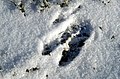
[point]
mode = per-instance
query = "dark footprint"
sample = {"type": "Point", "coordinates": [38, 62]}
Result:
{"type": "Point", "coordinates": [48, 48]}
{"type": "Point", "coordinates": [59, 20]}
{"type": "Point", "coordinates": [76, 44]}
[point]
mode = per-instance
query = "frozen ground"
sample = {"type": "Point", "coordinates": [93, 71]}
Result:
{"type": "Point", "coordinates": [78, 39]}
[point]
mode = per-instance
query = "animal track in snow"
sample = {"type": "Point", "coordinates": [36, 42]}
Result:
{"type": "Point", "coordinates": [76, 43]}
{"type": "Point", "coordinates": [75, 37]}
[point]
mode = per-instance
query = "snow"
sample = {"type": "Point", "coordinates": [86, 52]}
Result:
{"type": "Point", "coordinates": [23, 36]}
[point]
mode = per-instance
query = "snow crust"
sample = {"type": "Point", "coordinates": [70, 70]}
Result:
{"type": "Point", "coordinates": [24, 34]}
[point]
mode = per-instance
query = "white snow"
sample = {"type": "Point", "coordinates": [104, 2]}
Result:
{"type": "Point", "coordinates": [22, 40]}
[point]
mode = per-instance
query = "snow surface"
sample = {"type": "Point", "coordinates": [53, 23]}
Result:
{"type": "Point", "coordinates": [24, 34]}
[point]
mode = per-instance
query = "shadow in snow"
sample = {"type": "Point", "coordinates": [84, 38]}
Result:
{"type": "Point", "coordinates": [11, 63]}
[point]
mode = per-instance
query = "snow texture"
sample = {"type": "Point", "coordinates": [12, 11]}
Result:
{"type": "Point", "coordinates": [59, 39]}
